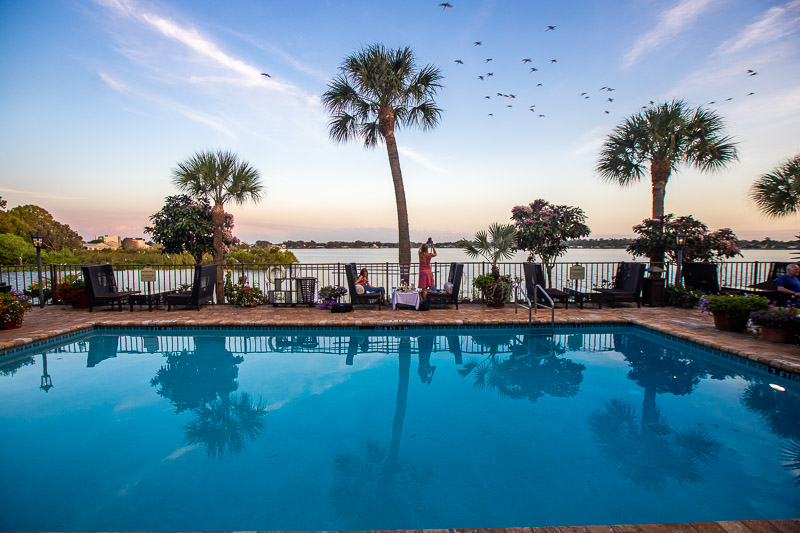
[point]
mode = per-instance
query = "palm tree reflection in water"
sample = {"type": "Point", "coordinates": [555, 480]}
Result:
{"type": "Point", "coordinates": [647, 450]}
{"type": "Point", "coordinates": [526, 368]}
{"type": "Point", "coordinates": [203, 381]}
{"type": "Point", "coordinates": [377, 486]}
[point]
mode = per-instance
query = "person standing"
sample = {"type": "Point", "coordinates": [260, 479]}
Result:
{"type": "Point", "coordinates": [426, 252]}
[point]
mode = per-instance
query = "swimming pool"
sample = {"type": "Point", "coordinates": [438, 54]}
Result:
{"type": "Point", "coordinates": [189, 430]}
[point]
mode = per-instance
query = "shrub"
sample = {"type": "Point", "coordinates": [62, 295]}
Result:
{"type": "Point", "coordinates": [329, 295]}
{"type": "Point", "coordinates": [733, 305]}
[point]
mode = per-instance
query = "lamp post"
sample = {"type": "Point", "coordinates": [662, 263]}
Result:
{"type": "Point", "coordinates": [37, 242]}
{"type": "Point", "coordinates": [47, 381]}
{"type": "Point", "coordinates": [680, 239]}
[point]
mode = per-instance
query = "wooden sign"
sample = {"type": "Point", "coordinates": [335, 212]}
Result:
{"type": "Point", "coordinates": [577, 272]}
{"type": "Point", "coordinates": [147, 274]}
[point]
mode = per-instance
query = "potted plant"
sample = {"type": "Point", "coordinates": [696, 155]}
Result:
{"type": "Point", "coordinates": [329, 295]}
{"type": "Point", "coordinates": [732, 311]}
{"type": "Point", "coordinates": [13, 306]}
{"type": "Point", "coordinates": [777, 324]}
{"type": "Point", "coordinates": [243, 294]}
{"type": "Point", "coordinates": [72, 291]}
{"type": "Point", "coordinates": [495, 290]}
{"type": "Point", "coordinates": [493, 245]}
{"type": "Point", "coordinates": [681, 296]}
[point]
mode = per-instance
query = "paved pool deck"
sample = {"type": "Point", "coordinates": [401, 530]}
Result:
{"type": "Point", "coordinates": [691, 324]}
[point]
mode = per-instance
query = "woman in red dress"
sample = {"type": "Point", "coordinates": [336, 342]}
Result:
{"type": "Point", "coordinates": [425, 273]}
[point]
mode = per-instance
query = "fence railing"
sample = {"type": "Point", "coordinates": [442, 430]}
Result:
{"type": "Point", "coordinates": [738, 274]}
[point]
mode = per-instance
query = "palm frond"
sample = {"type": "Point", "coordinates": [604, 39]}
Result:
{"type": "Point", "coordinates": [777, 194]}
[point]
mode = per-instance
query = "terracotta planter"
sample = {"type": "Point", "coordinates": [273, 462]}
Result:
{"type": "Point", "coordinates": [12, 324]}
{"type": "Point", "coordinates": [730, 323]}
{"type": "Point", "coordinates": [82, 302]}
{"type": "Point", "coordinates": [777, 334]}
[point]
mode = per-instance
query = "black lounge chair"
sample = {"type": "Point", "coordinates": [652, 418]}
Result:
{"type": "Point", "coordinates": [534, 275]}
{"type": "Point", "coordinates": [443, 297]}
{"type": "Point", "coordinates": [205, 281]}
{"type": "Point", "coordinates": [769, 288]}
{"type": "Point", "coordinates": [367, 298]}
{"type": "Point", "coordinates": [101, 287]}
{"type": "Point", "coordinates": [627, 285]}
{"type": "Point", "coordinates": [701, 277]}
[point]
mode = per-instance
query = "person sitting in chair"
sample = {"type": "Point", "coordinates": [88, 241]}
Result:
{"type": "Point", "coordinates": [363, 280]}
{"type": "Point", "coordinates": [788, 285]}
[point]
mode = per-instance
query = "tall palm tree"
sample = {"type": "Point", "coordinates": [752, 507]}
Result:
{"type": "Point", "coordinates": [380, 90]}
{"type": "Point", "coordinates": [218, 177]}
{"type": "Point", "coordinates": [665, 137]}
{"type": "Point", "coordinates": [777, 194]}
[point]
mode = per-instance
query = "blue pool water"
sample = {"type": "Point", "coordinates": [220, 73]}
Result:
{"type": "Point", "coordinates": [191, 430]}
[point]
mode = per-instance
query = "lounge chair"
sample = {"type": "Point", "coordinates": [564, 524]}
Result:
{"type": "Point", "coordinates": [454, 278]}
{"type": "Point", "coordinates": [627, 285]}
{"type": "Point", "coordinates": [769, 288]}
{"type": "Point", "coordinates": [701, 277]}
{"type": "Point", "coordinates": [205, 281]}
{"type": "Point", "coordinates": [101, 287]}
{"type": "Point", "coordinates": [367, 298]}
{"type": "Point", "coordinates": [534, 275]}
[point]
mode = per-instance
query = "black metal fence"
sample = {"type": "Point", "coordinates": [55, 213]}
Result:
{"type": "Point", "coordinates": [738, 275]}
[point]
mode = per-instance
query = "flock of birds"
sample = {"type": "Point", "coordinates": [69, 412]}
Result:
{"type": "Point", "coordinates": [528, 62]}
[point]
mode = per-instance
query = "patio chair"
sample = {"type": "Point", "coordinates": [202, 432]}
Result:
{"type": "Point", "coordinates": [769, 288]}
{"type": "Point", "coordinates": [627, 285]}
{"type": "Point", "coordinates": [101, 287]}
{"type": "Point", "coordinates": [701, 277]}
{"type": "Point", "coordinates": [453, 285]}
{"type": "Point", "coordinates": [534, 275]}
{"type": "Point", "coordinates": [367, 298]}
{"type": "Point", "coordinates": [205, 281]}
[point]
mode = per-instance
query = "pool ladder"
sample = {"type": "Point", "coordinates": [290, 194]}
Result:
{"type": "Point", "coordinates": [534, 307]}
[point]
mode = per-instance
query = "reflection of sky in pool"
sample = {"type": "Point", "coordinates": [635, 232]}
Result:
{"type": "Point", "coordinates": [287, 430]}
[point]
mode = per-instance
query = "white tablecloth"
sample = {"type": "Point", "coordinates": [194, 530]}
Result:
{"type": "Point", "coordinates": [405, 298]}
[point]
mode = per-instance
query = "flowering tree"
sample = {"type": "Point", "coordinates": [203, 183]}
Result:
{"type": "Point", "coordinates": [543, 230]}
{"type": "Point", "coordinates": [658, 236]}
{"type": "Point", "coordinates": [186, 225]}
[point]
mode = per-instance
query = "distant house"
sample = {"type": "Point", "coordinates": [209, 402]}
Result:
{"type": "Point", "coordinates": [134, 243]}
{"type": "Point", "coordinates": [112, 240]}
{"type": "Point", "coordinates": [98, 246]}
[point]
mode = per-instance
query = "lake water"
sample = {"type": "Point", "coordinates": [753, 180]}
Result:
{"type": "Point", "coordinates": [450, 255]}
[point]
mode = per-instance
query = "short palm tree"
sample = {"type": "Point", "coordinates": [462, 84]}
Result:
{"type": "Point", "coordinates": [665, 137]}
{"type": "Point", "coordinates": [218, 177]}
{"type": "Point", "coordinates": [498, 243]}
{"type": "Point", "coordinates": [777, 194]}
{"type": "Point", "coordinates": [378, 91]}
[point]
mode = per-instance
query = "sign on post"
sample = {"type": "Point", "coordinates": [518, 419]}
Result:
{"type": "Point", "coordinates": [147, 274]}
{"type": "Point", "coordinates": [577, 272]}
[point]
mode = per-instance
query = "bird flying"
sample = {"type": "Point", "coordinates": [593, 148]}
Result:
{"type": "Point", "coordinates": [534, 69]}
{"type": "Point", "coordinates": [538, 84]}
{"type": "Point", "coordinates": [445, 5]}
{"type": "Point", "coordinates": [550, 28]}
{"type": "Point", "coordinates": [480, 78]}
{"type": "Point", "coordinates": [489, 74]}
{"type": "Point", "coordinates": [265, 74]}
{"type": "Point", "coordinates": [526, 60]}
{"type": "Point", "coordinates": [553, 61]}
{"type": "Point", "coordinates": [751, 72]}
{"type": "Point", "coordinates": [459, 62]}
{"type": "Point", "coordinates": [489, 59]}
{"type": "Point", "coordinates": [477, 43]}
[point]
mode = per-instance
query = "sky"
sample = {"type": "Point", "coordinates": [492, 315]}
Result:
{"type": "Point", "coordinates": [101, 99]}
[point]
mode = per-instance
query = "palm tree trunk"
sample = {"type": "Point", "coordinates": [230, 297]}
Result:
{"type": "Point", "coordinates": [659, 174]}
{"type": "Point", "coordinates": [401, 402]}
{"type": "Point", "coordinates": [400, 198]}
{"type": "Point", "coordinates": [218, 218]}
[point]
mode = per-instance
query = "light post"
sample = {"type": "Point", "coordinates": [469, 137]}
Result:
{"type": "Point", "coordinates": [680, 239]}
{"type": "Point", "coordinates": [37, 242]}
{"type": "Point", "coordinates": [47, 381]}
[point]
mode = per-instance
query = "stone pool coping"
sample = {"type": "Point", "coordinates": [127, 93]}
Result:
{"type": "Point", "coordinates": [690, 325]}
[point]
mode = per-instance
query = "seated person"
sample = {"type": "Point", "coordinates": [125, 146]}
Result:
{"type": "Point", "coordinates": [363, 280]}
{"type": "Point", "coordinates": [788, 284]}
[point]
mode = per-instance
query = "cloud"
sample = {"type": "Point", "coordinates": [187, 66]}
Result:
{"type": "Point", "coordinates": [188, 112]}
{"type": "Point", "coordinates": [420, 159]}
{"type": "Point", "coordinates": [669, 25]}
{"type": "Point", "coordinates": [776, 23]}
{"type": "Point", "coordinates": [36, 194]}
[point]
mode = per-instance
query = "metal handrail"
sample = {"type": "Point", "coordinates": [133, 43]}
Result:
{"type": "Point", "coordinates": [528, 307]}
{"type": "Point", "coordinates": [536, 304]}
